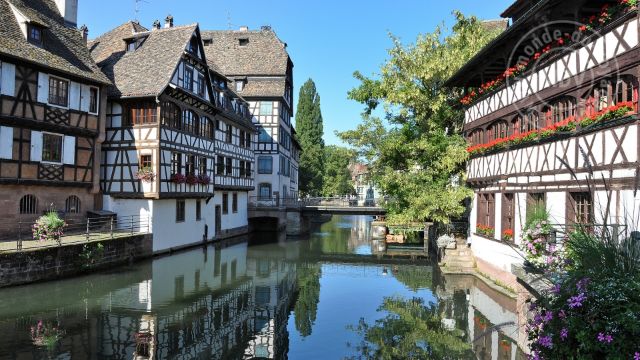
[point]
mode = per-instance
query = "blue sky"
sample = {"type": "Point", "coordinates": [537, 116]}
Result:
{"type": "Point", "coordinates": [328, 39]}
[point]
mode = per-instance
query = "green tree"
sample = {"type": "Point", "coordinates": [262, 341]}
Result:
{"type": "Point", "coordinates": [309, 128]}
{"type": "Point", "coordinates": [337, 178]}
{"type": "Point", "coordinates": [411, 329]}
{"type": "Point", "coordinates": [418, 158]}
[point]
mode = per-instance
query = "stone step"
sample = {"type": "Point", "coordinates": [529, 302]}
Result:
{"type": "Point", "coordinates": [465, 252]}
{"type": "Point", "coordinates": [462, 257]}
{"type": "Point", "coordinates": [458, 270]}
{"type": "Point", "coordinates": [458, 263]}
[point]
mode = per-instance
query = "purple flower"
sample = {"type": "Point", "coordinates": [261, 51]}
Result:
{"type": "Point", "coordinates": [562, 314]}
{"type": "Point", "coordinates": [636, 356]}
{"type": "Point", "coordinates": [556, 288]}
{"type": "Point", "coordinates": [564, 333]}
{"type": "Point", "coordinates": [582, 284]}
{"type": "Point", "coordinates": [548, 316]}
{"type": "Point", "coordinates": [576, 301]}
{"type": "Point", "coordinates": [605, 338]}
{"type": "Point", "coordinates": [545, 341]}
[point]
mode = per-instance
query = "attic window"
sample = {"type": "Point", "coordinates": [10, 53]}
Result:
{"type": "Point", "coordinates": [131, 45]}
{"type": "Point", "coordinates": [207, 42]}
{"type": "Point", "coordinates": [239, 85]}
{"type": "Point", "coordinates": [243, 41]}
{"type": "Point", "coordinates": [34, 34]}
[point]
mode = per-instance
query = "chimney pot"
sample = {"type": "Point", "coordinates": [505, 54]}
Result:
{"type": "Point", "coordinates": [156, 25]}
{"type": "Point", "coordinates": [244, 28]}
{"type": "Point", "coordinates": [168, 21]}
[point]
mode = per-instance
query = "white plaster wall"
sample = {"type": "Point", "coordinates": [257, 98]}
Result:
{"type": "Point", "coordinates": [520, 216]}
{"type": "Point", "coordinates": [473, 215]}
{"type": "Point", "coordinates": [498, 216]}
{"type": "Point", "coordinates": [499, 255]}
{"type": "Point", "coordinates": [167, 233]}
{"type": "Point", "coordinates": [557, 206]}
{"type": "Point", "coordinates": [494, 312]}
{"type": "Point", "coordinates": [627, 210]}
{"type": "Point", "coordinates": [128, 207]}
{"type": "Point", "coordinates": [186, 264]}
{"type": "Point", "coordinates": [233, 220]}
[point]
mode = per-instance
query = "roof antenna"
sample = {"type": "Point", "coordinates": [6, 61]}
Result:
{"type": "Point", "coordinates": [229, 24]}
{"type": "Point", "coordinates": [137, 7]}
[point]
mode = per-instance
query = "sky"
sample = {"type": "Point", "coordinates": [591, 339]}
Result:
{"type": "Point", "coordinates": [327, 39]}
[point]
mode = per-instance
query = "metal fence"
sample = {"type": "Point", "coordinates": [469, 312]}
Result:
{"type": "Point", "coordinates": [19, 235]}
{"type": "Point", "coordinates": [336, 201]}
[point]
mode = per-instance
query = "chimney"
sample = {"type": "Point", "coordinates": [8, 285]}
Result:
{"type": "Point", "coordinates": [156, 25]}
{"type": "Point", "coordinates": [168, 21]}
{"type": "Point", "coordinates": [69, 11]}
{"type": "Point", "coordinates": [85, 33]}
{"type": "Point", "coordinates": [244, 28]}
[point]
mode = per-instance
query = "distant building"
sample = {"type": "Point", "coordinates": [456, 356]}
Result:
{"type": "Point", "coordinates": [366, 191]}
{"type": "Point", "coordinates": [262, 73]}
{"type": "Point", "coordinates": [52, 113]}
{"type": "Point", "coordinates": [171, 116]}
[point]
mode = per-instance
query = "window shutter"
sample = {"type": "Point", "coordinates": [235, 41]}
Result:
{"type": "Point", "coordinates": [571, 210]}
{"type": "Point", "coordinates": [6, 142]}
{"type": "Point", "coordinates": [36, 146]}
{"type": "Point", "coordinates": [43, 87]}
{"type": "Point", "coordinates": [85, 96]}
{"type": "Point", "coordinates": [69, 150]}
{"type": "Point", "coordinates": [8, 76]}
{"type": "Point", "coordinates": [74, 95]}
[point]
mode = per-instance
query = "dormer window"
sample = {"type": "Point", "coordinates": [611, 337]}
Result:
{"type": "Point", "coordinates": [34, 34]}
{"type": "Point", "coordinates": [239, 85]}
{"type": "Point", "coordinates": [243, 41]}
{"type": "Point", "coordinates": [131, 46]}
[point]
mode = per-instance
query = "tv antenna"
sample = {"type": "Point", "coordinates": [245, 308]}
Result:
{"type": "Point", "coordinates": [137, 8]}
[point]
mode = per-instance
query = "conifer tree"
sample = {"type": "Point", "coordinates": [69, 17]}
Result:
{"type": "Point", "coordinates": [310, 131]}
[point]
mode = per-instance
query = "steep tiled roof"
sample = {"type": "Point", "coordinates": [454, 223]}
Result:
{"type": "Point", "coordinates": [63, 48]}
{"type": "Point", "coordinates": [264, 88]}
{"type": "Point", "coordinates": [495, 25]}
{"type": "Point", "coordinates": [147, 70]}
{"type": "Point", "coordinates": [262, 54]}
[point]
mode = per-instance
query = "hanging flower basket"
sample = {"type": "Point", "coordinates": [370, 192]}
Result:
{"type": "Point", "coordinates": [178, 179]}
{"type": "Point", "coordinates": [146, 174]}
{"type": "Point", "coordinates": [204, 179]}
{"type": "Point", "coordinates": [49, 227]}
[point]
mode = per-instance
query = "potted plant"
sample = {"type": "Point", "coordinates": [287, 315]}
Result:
{"type": "Point", "coordinates": [178, 178]}
{"type": "Point", "coordinates": [204, 179]}
{"type": "Point", "coordinates": [49, 227]}
{"type": "Point", "coordinates": [507, 235]}
{"type": "Point", "coordinates": [485, 230]}
{"type": "Point", "coordinates": [535, 239]}
{"type": "Point", "coordinates": [191, 179]}
{"type": "Point", "coordinates": [146, 174]}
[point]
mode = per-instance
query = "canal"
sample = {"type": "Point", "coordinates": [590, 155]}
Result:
{"type": "Point", "coordinates": [335, 295]}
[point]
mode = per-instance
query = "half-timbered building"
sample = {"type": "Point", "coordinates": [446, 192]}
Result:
{"type": "Point", "coordinates": [51, 112]}
{"type": "Point", "coordinates": [262, 73]}
{"type": "Point", "coordinates": [551, 105]}
{"type": "Point", "coordinates": [164, 114]}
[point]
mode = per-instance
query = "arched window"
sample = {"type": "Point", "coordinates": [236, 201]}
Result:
{"type": "Point", "coordinates": [72, 205]}
{"type": "Point", "coordinates": [206, 127]}
{"type": "Point", "coordinates": [29, 204]}
{"type": "Point", "coordinates": [515, 124]}
{"type": "Point", "coordinates": [171, 115]}
{"type": "Point", "coordinates": [476, 137]}
{"type": "Point", "coordinates": [190, 122]}
{"type": "Point", "coordinates": [530, 121]}
{"type": "Point", "coordinates": [598, 98]}
{"type": "Point", "coordinates": [626, 90]}
{"type": "Point", "coordinates": [498, 130]}
{"type": "Point", "coordinates": [559, 110]}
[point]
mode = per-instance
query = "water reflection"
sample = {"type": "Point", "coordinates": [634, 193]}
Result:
{"type": "Point", "coordinates": [326, 297]}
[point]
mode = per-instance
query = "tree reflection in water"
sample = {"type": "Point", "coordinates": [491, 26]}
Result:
{"type": "Point", "coordinates": [411, 329]}
{"type": "Point", "coordinates": [306, 307]}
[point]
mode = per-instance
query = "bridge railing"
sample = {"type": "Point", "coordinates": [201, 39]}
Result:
{"type": "Point", "coordinates": [335, 201]}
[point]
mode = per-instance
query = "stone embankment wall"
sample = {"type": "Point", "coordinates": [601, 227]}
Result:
{"type": "Point", "coordinates": [25, 267]}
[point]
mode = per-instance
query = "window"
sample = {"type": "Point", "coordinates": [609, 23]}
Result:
{"type": "Point", "coordinates": [202, 168]}
{"type": "Point", "coordinates": [285, 138]}
{"type": "Point", "coordinates": [498, 130]}
{"type": "Point", "coordinates": [188, 78]}
{"type": "Point", "coordinates": [580, 209]}
{"type": "Point", "coordinates": [242, 168]}
{"type": "Point", "coordinates": [93, 100]}
{"type": "Point", "coordinates": [265, 135]}
{"type": "Point", "coordinates": [190, 122]}
{"type": "Point", "coordinates": [243, 41]}
{"type": "Point", "coordinates": [201, 84]}
{"type": "Point", "coordinates": [220, 165]}
{"type": "Point", "coordinates": [176, 163]}
{"type": "Point", "coordinates": [72, 205]}
{"type": "Point", "coordinates": [530, 122]}
{"type": "Point", "coordinates": [191, 165]}
{"type": "Point", "coordinates": [626, 90]}
{"type": "Point", "coordinates": [234, 203]}
{"type": "Point", "coordinates": [58, 92]}
{"type": "Point", "coordinates": [264, 191]}
{"type": "Point", "coordinates": [239, 85]}
{"type": "Point", "coordinates": [486, 209]}
{"type": "Point", "coordinates": [247, 172]}
{"type": "Point", "coordinates": [508, 213]}
{"type": "Point", "coordinates": [180, 211]}
{"type": "Point", "coordinates": [265, 165]}
{"type": "Point", "coordinates": [242, 138]}
{"type": "Point", "coordinates": [206, 127]}
{"type": "Point", "coordinates": [142, 113]}
{"type": "Point", "coordinates": [52, 148]}
{"type": "Point", "coordinates": [225, 203]}
{"type": "Point", "coordinates": [28, 204]}
{"type": "Point", "coordinates": [561, 110]}
{"type": "Point", "coordinates": [247, 140]}
{"type": "Point", "coordinates": [198, 210]}
{"type": "Point", "coordinates": [218, 125]}
{"type": "Point", "coordinates": [476, 137]}
{"type": "Point", "coordinates": [266, 108]}
{"type": "Point", "coordinates": [145, 161]}
{"type": "Point", "coordinates": [229, 137]}
{"type": "Point", "coordinates": [34, 34]}
{"type": "Point", "coordinates": [171, 115]}
{"type": "Point", "coordinates": [229, 167]}
{"type": "Point", "coordinates": [131, 45]}
{"type": "Point", "coordinates": [193, 46]}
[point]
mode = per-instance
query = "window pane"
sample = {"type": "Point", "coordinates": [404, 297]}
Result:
{"type": "Point", "coordinates": [52, 148]}
{"type": "Point", "coordinates": [266, 108]}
